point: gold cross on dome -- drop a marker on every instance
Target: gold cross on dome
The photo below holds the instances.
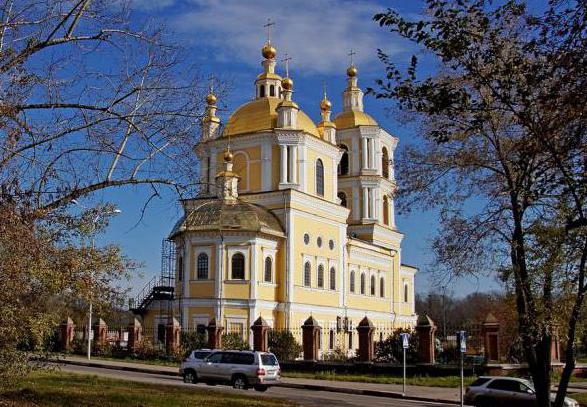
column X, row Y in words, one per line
column 286, row 60
column 211, row 80
column 268, row 26
column 324, row 86
column 350, row 54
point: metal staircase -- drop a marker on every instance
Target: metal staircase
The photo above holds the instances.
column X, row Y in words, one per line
column 160, row 287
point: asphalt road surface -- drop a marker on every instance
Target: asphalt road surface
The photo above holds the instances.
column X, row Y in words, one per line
column 303, row 397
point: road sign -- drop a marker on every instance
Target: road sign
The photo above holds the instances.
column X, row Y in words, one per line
column 405, row 340
column 462, row 340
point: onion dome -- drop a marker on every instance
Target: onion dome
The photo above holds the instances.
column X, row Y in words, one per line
column 268, row 51
column 287, row 83
column 352, row 71
column 228, row 156
column 211, row 98
column 325, row 104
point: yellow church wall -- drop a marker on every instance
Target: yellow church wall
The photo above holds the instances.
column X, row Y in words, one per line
column 201, row 289
column 312, row 157
column 255, row 177
column 199, row 312
column 275, row 165
column 236, row 289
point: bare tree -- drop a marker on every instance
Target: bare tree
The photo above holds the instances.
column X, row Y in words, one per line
column 91, row 99
column 503, row 155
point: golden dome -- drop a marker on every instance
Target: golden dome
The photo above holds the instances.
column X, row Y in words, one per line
column 268, row 51
column 260, row 115
column 351, row 118
column 325, row 104
column 228, row 156
column 352, row 71
column 287, row 83
column 211, row 99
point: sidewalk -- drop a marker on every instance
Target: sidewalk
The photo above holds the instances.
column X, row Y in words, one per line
column 420, row 393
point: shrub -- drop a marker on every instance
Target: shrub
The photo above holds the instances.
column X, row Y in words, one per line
column 192, row 340
column 145, row 350
column 284, row 345
column 390, row 350
column 234, row 341
column 336, row 355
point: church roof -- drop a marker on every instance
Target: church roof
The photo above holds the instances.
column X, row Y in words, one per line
column 346, row 120
column 260, row 115
column 218, row 214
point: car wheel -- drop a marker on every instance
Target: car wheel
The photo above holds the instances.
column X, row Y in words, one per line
column 261, row 387
column 239, row 381
column 189, row 376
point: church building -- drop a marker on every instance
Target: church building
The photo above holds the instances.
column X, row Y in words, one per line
column 293, row 219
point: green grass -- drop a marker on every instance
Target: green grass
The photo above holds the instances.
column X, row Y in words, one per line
column 445, row 381
column 580, row 397
column 57, row 389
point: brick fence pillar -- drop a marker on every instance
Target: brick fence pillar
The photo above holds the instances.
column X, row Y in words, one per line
column 100, row 333
column 366, row 344
column 260, row 330
column 66, row 334
column 214, row 334
column 426, row 329
column 172, row 336
column 135, row 334
column 311, row 339
column 490, row 332
column 555, row 345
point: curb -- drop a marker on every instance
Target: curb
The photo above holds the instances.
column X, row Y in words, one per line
column 311, row 387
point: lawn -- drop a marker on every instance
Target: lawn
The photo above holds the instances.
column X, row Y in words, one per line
column 64, row 389
column 445, row 381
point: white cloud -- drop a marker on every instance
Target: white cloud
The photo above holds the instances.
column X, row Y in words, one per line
column 317, row 34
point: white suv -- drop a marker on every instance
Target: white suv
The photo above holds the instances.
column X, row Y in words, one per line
column 188, row 365
column 242, row 369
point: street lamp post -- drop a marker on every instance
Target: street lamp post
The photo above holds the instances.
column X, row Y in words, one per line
column 92, row 245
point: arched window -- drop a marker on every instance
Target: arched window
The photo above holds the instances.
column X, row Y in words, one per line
column 268, row 270
column 363, row 283
column 385, row 210
column 381, row 287
column 385, row 163
column 352, row 282
column 342, row 196
column 372, row 285
column 332, row 279
column 321, row 276
column 331, row 339
column 272, row 90
column 307, row 274
column 238, row 266
column 319, row 177
column 406, row 293
column 202, row 266
column 343, row 165
column 262, row 91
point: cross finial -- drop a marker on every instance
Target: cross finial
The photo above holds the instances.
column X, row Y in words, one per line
column 286, row 60
column 211, row 79
column 324, row 87
column 268, row 26
column 351, row 54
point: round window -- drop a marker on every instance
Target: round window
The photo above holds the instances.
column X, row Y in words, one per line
column 331, row 244
column 306, row 238
column 319, row 241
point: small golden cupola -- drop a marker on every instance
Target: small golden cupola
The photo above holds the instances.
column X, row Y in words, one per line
column 287, row 110
column 352, row 114
column 210, row 122
column 227, row 180
column 268, row 83
column 326, row 128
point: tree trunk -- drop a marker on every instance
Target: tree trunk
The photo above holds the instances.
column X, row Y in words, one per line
column 538, row 356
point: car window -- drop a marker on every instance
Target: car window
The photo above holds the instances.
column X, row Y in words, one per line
column 268, row 359
column 506, row 385
column 227, row 357
column 243, row 358
column 215, row 358
column 480, row 381
column 201, row 355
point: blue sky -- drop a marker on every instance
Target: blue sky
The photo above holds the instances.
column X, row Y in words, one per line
column 224, row 38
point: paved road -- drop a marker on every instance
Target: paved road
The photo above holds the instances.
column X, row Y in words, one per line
column 304, row 397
